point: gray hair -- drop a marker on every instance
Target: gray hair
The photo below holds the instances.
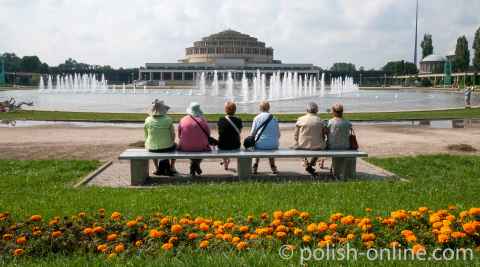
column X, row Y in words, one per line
column 312, row 107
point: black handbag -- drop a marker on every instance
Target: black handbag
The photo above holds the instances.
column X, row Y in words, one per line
column 211, row 141
column 252, row 139
column 353, row 140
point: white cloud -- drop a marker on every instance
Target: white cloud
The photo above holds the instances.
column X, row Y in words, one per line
column 130, row 33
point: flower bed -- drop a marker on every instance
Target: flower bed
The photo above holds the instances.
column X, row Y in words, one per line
column 113, row 235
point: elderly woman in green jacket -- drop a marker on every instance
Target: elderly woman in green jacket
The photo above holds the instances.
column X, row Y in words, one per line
column 160, row 137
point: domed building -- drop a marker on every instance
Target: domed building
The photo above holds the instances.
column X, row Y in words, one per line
column 432, row 64
column 229, row 47
column 226, row 51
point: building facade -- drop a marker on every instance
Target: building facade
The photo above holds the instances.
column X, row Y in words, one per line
column 432, row 64
column 226, row 51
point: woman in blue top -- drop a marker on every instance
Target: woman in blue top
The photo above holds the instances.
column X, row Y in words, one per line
column 269, row 137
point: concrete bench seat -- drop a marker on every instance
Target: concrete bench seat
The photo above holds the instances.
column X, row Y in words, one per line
column 139, row 167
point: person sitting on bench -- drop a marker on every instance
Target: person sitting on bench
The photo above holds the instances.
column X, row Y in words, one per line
column 160, row 137
column 310, row 134
column 229, row 131
column 269, row 137
column 194, row 133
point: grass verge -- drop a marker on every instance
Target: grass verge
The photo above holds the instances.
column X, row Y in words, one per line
column 44, row 187
column 137, row 117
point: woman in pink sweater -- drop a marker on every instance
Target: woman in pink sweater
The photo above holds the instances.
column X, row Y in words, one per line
column 193, row 132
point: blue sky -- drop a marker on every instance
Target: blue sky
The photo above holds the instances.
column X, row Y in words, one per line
column 129, row 33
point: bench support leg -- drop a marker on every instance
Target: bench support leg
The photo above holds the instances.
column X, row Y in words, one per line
column 138, row 172
column 244, row 168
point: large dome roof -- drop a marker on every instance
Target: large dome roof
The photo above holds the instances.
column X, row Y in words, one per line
column 434, row 58
column 228, row 34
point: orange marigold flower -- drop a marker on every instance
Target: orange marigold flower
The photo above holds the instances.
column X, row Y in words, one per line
column 368, row 244
column 458, row 235
column 235, row 240
column 418, row 249
column 88, row 231
column 164, row 221
column 281, row 235
column 112, row 237
column 101, row 211
column 406, row 233
column 203, row 244
column 98, row 230
column 411, row 238
column 154, row 233
column 368, row 209
column 7, row 237
column 204, row 227
column 322, row 227
column 445, row 230
column 21, row 240
column 474, row 211
column 244, row 229
column 138, row 243
column 333, row 227
column 18, row 252
column 399, row 214
column 116, row 216
column 208, row 236
column 227, row 237
column 442, row 238
column 350, row 237
column 304, row 215
column 307, row 239
column 192, row 236
column 176, row 228
column 368, row 237
column 82, row 214
column 119, row 248
column 167, row 246
column 463, row 214
column 394, row 244
column 242, row 245
column 335, row 217
column 35, row 218
column 111, row 256
column 37, row 233
column 281, row 228
column 469, row 228
column 56, row 234
column 131, row 224
column 173, row 240
column 324, row 243
column 437, row 225
column 102, row 248
column 53, row 222
column 312, row 228
column 298, row 232
column 264, row 216
column 347, row 219
column 278, row 215
column 388, row 221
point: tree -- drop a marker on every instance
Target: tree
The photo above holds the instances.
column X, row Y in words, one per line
column 427, row 45
column 476, row 47
column 400, row 68
column 343, row 67
column 31, row 64
column 12, row 62
column 462, row 54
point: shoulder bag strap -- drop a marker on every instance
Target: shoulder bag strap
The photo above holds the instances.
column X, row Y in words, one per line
column 199, row 125
column 233, row 125
column 262, row 128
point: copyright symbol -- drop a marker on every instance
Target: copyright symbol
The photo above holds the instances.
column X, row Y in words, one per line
column 285, row 252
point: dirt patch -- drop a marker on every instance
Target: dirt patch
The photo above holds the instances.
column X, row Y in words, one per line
column 462, row 148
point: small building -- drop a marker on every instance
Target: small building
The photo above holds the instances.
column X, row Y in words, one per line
column 432, row 64
column 224, row 52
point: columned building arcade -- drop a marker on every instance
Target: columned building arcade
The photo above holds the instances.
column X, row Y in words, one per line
column 226, row 51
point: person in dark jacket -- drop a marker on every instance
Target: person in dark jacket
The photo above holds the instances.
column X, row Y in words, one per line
column 229, row 131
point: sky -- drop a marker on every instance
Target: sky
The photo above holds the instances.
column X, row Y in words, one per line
column 125, row 33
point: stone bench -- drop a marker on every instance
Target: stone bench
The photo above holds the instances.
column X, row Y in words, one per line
column 139, row 167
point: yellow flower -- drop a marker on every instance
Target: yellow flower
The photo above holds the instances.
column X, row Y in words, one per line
column 307, row 239
column 474, row 211
column 277, row 215
column 442, row 238
column 138, row 243
column 304, row 215
column 116, row 216
column 347, row 219
column 204, row 244
column 418, row 248
column 350, row 237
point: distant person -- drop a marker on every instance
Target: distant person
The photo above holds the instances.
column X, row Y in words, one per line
column 193, row 132
column 268, row 138
column 468, row 95
column 310, row 134
column 339, row 139
column 229, row 131
column 160, row 136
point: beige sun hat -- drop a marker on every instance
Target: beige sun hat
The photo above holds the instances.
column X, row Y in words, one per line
column 158, row 108
column 194, row 110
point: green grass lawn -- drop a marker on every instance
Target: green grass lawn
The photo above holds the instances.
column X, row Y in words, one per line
column 44, row 187
column 136, row 117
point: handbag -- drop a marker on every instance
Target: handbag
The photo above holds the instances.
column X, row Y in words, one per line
column 353, row 140
column 252, row 139
column 211, row 141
